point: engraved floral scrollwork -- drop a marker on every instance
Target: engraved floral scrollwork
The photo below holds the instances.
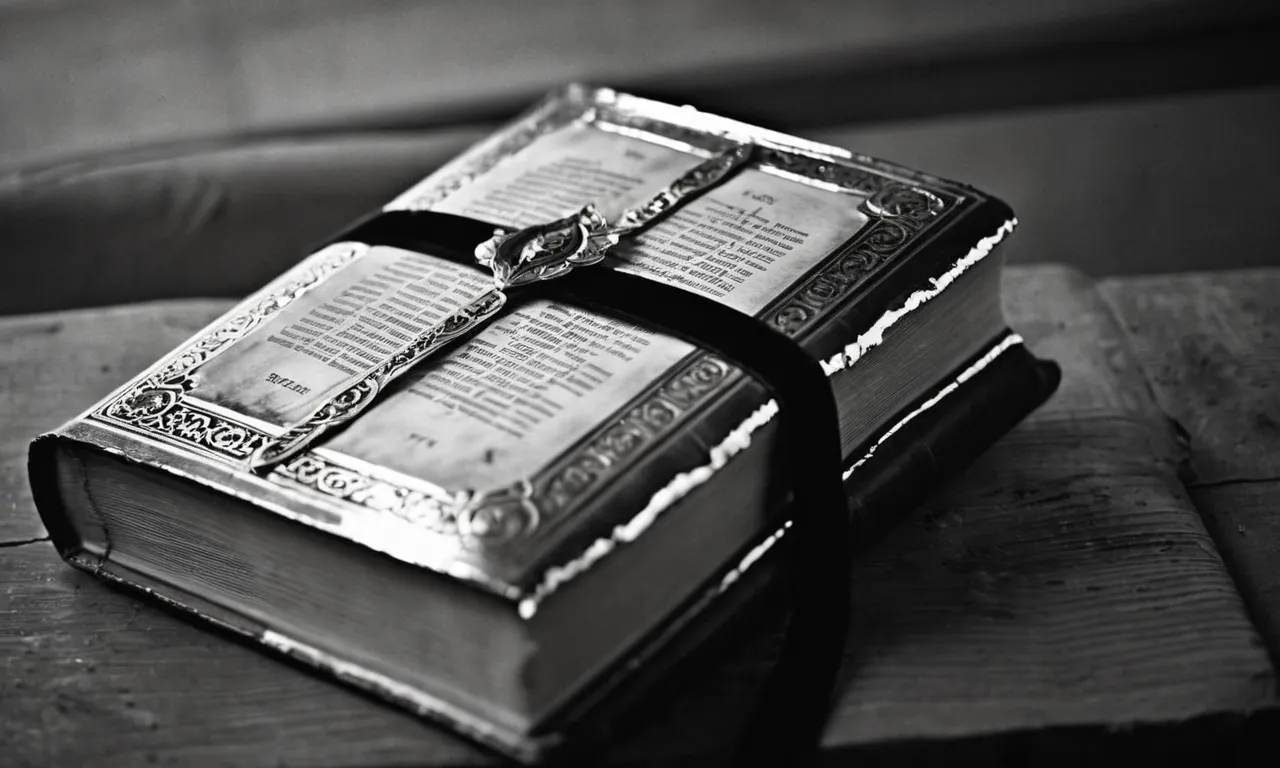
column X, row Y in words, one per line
column 705, row 374
column 230, row 438
column 476, row 518
column 886, row 237
column 160, row 412
column 791, row 317
column 615, row 444
column 897, row 213
column 190, row 425
column 897, row 200
column 311, row 471
column 159, row 409
column 156, row 406
column 571, row 481
column 189, row 359
column 145, row 402
column 656, row 413
column 826, row 287
column 306, row 469
column 856, row 263
column 623, row 438
column 499, row 515
column 210, row 432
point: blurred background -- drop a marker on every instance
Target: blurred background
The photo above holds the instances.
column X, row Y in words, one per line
column 157, row 149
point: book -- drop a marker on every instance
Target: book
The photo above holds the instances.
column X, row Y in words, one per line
column 515, row 534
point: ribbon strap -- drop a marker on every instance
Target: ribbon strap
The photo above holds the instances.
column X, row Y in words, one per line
column 792, row 711
column 793, row 708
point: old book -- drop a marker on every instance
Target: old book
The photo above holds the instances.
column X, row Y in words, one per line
column 530, row 518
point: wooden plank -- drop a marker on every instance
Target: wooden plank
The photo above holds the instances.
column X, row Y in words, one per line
column 53, row 367
column 1244, row 518
column 87, row 79
column 1063, row 582
column 1210, row 346
column 89, row 674
column 1065, row 578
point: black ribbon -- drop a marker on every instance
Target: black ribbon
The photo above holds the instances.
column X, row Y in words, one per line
column 791, row 714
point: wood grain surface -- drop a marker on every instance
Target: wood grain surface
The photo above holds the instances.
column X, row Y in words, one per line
column 1244, row 519
column 1061, row 595
column 1209, row 345
column 54, row 366
column 1066, row 573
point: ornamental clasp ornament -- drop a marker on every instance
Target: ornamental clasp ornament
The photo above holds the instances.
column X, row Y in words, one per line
column 546, row 251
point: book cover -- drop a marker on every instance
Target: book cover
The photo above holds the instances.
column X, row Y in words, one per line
column 565, row 486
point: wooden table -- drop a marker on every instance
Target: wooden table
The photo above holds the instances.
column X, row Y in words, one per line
column 1107, row 578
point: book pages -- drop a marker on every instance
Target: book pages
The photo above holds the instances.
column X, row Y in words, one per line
column 499, row 406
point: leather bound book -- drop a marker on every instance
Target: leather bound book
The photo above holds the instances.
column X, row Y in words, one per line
column 505, row 511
